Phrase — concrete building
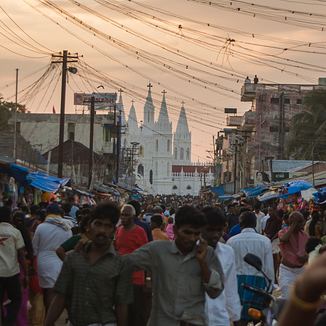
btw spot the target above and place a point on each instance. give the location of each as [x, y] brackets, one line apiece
[42, 133]
[261, 134]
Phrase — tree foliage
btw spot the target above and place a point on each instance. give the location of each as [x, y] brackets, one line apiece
[307, 138]
[6, 111]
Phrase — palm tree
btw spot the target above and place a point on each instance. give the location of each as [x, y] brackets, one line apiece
[307, 138]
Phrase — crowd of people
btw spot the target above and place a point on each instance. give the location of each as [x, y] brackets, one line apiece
[166, 260]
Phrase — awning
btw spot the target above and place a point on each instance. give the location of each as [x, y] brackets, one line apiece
[254, 191]
[16, 171]
[45, 182]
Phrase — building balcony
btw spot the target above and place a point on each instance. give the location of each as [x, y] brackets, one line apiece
[248, 92]
[248, 120]
[233, 121]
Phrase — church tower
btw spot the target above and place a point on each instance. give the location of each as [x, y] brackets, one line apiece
[182, 140]
[162, 156]
[149, 112]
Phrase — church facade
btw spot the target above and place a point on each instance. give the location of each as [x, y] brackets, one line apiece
[163, 164]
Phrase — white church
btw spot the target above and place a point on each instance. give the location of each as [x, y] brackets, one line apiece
[163, 164]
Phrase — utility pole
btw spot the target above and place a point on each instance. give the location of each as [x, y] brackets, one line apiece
[313, 163]
[15, 118]
[281, 128]
[91, 143]
[235, 169]
[64, 59]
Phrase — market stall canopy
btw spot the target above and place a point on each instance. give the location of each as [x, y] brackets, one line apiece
[320, 196]
[16, 171]
[252, 192]
[45, 182]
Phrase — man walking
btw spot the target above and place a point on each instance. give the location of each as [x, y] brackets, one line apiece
[182, 272]
[11, 253]
[93, 284]
[249, 241]
[226, 308]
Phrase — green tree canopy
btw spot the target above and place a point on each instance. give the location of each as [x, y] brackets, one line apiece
[7, 109]
[308, 129]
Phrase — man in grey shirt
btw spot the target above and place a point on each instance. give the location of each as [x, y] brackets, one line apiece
[182, 271]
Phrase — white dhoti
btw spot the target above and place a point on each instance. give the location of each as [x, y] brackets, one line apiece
[287, 277]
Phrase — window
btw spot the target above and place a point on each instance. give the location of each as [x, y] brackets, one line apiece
[175, 153]
[182, 153]
[140, 170]
[188, 154]
[141, 151]
[156, 145]
[168, 145]
[18, 126]
[151, 177]
[168, 169]
[156, 169]
[188, 187]
[286, 101]
[299, 101]
[275, 100]
[174, 187]
[107, 134]
[71, 131]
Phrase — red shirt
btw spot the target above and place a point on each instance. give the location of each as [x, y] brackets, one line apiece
[294, 248]
[127, 241]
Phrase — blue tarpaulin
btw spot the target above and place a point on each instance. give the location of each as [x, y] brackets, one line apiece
[254, 191]
[320, 196]
[45, 182]
[218, 190]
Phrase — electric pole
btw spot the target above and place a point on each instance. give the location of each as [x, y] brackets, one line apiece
[15, 117]
[65, 58]
[91, 143]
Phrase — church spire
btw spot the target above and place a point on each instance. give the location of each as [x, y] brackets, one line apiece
[163, 122]
[121, 109]
[132, 119]
[182, 126]
[149, 108]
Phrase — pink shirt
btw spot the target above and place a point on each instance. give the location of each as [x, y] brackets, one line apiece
[294, 248]
[169, 231]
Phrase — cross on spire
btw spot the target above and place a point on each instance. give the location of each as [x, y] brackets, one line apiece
[149, 85]
[132, 101]
[120, 91]
[183, 103]
[164, 92]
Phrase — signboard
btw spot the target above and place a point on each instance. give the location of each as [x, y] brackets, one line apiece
[103, 101]
[230, 110]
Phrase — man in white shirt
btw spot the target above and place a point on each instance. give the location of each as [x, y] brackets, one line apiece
[11, 252]
[226, 308]
[260, 217]
[249, 241]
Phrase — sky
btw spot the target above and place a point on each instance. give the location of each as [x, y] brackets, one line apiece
[183, 57]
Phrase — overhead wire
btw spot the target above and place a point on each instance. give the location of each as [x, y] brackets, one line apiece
[128, 67]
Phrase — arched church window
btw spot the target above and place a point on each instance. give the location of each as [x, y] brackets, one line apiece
[140, 170]
[175, 153]
[188, 187]
[188, 154]
[182, 154]
[141, 151]
[151, 177]
[168, 145]
[174, 187]
[156, 145]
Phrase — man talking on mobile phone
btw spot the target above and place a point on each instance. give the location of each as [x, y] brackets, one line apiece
[182, 272]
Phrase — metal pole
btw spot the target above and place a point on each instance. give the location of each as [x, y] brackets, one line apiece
[62, 113]
[118, 125]
[15, 118]
[313, 163]
[91, 142]
[235, 170]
